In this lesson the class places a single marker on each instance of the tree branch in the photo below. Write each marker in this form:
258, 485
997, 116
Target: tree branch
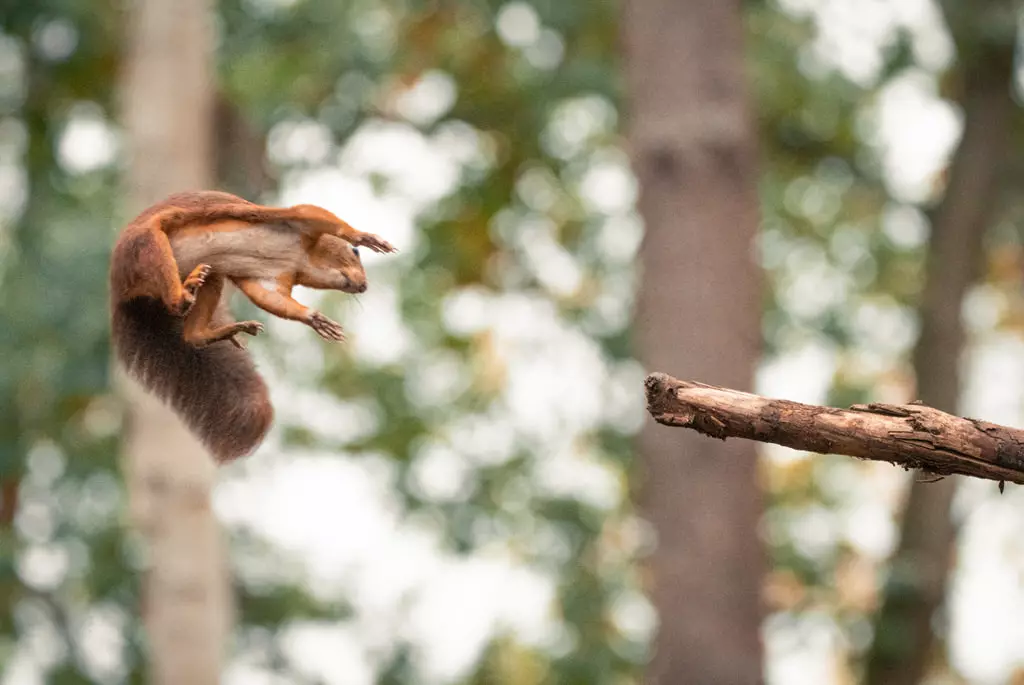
910, 435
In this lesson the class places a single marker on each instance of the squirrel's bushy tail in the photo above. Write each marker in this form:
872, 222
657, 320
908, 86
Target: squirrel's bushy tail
215, 389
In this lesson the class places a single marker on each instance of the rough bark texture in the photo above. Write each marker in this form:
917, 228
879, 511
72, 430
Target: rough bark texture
168, 114
698, 313
911, 435
919, 570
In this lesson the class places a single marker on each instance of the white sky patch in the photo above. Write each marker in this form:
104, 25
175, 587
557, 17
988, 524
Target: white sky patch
88, 142
986, 596
101, 636
905, 226
441, 474
554, 369
241, 672
42, 567
883, 325
983, 307
56, 39
576, 123
466, 604
619, 238
341, 518
295, 141
994, 378
800, 654
464, 311
608, 186
554, 267
329, 653
802, 374
811, 284
868, 22
916, 133
326, 416
625, 408
547, 51
518, 24
379, 336
539, 188
634, 615
870, 528
268, 7
486, 439
572, 471
41, 645
435, 379
418, 169
429, 98
853, 33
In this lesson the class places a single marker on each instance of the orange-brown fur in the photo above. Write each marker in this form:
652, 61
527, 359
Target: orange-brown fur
169, 281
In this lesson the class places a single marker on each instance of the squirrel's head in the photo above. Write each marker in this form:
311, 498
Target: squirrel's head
334, 264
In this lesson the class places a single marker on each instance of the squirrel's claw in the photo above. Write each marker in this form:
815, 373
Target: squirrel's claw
375, 243
191, 286
327, 329
250, 327
197, 278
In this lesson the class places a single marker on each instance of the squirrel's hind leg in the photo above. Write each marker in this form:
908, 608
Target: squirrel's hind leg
208, 322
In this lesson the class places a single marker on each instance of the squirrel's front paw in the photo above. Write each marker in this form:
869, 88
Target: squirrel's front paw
328, 330
375, 243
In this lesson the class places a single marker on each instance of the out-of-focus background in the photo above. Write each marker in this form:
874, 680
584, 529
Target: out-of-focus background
458, 493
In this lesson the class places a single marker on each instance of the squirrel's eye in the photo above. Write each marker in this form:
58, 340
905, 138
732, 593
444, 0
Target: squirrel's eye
355, 251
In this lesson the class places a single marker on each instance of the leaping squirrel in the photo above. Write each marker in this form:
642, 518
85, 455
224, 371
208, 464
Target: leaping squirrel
170, 322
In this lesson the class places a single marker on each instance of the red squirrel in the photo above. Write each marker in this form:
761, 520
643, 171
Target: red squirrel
170, 322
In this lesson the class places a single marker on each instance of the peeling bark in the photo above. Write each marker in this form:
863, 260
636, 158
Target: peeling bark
909, 435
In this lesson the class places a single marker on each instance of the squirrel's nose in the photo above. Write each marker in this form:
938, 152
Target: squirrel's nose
361, 287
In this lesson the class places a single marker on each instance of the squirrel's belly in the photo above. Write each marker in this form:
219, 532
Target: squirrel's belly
255, 251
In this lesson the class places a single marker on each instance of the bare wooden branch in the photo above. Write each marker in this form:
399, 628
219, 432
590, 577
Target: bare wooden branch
910, 435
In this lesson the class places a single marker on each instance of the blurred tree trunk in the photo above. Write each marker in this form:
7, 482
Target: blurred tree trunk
168, 110
904, 637
698, 316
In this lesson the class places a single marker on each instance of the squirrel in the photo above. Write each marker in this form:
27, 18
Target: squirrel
170, 323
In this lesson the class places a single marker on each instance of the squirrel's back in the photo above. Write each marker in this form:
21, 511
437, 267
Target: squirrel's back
215, 389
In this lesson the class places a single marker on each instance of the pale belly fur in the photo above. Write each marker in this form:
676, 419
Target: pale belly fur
261, 251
